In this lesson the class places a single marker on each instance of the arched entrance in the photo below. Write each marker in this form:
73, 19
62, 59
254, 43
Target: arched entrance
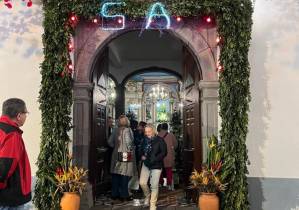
200, 83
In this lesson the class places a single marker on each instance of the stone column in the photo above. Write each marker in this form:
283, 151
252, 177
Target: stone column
171, 108
143, 111
209, 110
153, 112
119, 100
82, 110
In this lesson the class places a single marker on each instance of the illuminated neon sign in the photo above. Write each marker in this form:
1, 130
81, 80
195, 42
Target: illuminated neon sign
157, 10
121, 19
156, 17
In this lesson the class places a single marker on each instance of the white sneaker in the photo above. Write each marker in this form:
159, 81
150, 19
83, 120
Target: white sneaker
153, 208
146, 202
170, 187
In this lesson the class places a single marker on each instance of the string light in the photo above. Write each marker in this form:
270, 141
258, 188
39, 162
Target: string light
120, 21
70, 67
219, 68
218, 39
178, 19
95, 20
208, 19
70, 46
73, 18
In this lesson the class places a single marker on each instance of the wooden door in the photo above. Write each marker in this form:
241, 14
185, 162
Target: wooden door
98, 145
191, 116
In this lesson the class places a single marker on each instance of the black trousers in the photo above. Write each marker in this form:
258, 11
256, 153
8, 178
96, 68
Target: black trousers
120, 186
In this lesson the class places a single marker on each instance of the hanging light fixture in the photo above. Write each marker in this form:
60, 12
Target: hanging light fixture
158, 93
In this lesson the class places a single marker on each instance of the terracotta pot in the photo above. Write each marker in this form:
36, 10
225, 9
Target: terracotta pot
208, 201
70, 201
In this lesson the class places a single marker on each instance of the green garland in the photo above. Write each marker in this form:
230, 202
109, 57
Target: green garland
234, 26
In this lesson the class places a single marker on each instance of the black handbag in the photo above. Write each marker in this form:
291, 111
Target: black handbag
125, 156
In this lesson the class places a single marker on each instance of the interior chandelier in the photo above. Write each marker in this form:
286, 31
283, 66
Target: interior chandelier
158, 93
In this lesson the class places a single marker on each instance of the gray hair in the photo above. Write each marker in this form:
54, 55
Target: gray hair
127, 121
149, 125
13, 106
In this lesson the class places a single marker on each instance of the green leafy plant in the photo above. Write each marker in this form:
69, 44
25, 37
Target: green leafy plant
209, 180
162, 115
69, 178
215, 155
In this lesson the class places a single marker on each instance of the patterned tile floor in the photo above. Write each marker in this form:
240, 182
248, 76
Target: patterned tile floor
170, 200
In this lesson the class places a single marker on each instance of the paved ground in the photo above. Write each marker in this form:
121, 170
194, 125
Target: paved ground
168, 200
140, 208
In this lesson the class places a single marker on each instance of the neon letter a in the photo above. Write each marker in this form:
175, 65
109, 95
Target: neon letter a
157, 10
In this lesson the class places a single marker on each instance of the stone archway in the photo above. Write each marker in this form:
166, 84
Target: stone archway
90, 42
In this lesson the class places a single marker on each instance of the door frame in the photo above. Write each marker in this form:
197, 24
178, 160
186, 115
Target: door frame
86, 56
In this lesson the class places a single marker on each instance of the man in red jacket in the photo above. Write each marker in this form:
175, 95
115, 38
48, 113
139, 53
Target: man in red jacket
15, 173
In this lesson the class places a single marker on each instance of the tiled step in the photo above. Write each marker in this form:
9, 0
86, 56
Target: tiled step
168, 200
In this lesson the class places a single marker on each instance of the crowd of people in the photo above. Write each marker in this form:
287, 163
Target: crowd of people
139, 154
140, 150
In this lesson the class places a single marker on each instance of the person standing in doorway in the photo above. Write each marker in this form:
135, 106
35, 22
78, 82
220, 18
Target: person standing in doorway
123, 164
139, 139
159, 127
169, 160
152, 156
15, 172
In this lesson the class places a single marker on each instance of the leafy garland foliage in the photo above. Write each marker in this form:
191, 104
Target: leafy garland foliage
234, 22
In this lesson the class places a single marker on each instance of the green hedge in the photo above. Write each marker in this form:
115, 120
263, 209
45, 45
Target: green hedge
233, 18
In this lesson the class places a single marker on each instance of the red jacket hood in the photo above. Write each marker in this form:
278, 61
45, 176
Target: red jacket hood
7, 120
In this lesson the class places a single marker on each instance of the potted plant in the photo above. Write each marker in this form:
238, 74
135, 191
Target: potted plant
70, 182
208, 181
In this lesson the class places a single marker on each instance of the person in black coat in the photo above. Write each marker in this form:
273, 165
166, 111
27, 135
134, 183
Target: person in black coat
153, 153
139, 139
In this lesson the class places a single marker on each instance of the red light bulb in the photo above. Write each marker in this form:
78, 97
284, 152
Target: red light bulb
219, 68
178, 19
120, 21
70, 46
95, 20
218, 39
209, 19
70, 66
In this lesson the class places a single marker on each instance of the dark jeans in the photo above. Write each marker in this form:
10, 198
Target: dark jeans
120, 186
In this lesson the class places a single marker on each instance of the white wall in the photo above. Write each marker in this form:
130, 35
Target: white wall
20, 57
273, 140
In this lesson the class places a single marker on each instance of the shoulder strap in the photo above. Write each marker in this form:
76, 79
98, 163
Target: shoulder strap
7, 128
165, 135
